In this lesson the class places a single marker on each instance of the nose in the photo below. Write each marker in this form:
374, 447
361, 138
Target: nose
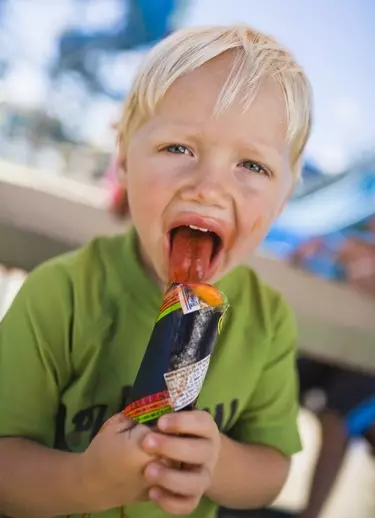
207, 186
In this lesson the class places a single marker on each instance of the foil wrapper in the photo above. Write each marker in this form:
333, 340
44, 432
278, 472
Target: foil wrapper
176, 361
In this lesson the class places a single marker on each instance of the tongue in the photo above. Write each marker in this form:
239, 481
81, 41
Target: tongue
191, 252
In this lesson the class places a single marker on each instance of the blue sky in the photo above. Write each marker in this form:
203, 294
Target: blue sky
334, 40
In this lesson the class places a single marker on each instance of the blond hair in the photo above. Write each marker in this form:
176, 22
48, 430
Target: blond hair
257, 57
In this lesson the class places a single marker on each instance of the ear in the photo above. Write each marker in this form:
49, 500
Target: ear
122, 171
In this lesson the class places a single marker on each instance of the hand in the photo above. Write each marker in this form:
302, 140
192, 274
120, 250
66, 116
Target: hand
113, 465
188, 438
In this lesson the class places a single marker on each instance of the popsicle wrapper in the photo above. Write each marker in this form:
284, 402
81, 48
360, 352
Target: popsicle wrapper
178, 354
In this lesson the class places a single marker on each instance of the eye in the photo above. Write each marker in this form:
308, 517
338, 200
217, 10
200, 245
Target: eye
256, 168
178, 149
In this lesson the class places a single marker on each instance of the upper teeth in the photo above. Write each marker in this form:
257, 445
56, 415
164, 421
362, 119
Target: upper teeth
198, 228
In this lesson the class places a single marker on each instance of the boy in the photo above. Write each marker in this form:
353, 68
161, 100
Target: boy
211, 136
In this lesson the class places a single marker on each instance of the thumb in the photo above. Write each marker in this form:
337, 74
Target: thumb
118, 423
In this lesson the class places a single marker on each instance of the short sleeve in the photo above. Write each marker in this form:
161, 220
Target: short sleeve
34, 355
272, 411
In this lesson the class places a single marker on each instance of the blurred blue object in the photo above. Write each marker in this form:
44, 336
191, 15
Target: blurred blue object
143, 24
336, 204
361, 418
330, 210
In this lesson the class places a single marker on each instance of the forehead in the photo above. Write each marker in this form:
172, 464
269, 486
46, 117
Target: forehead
192, 99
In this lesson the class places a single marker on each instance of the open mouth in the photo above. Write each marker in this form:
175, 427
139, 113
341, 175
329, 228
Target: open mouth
198, 235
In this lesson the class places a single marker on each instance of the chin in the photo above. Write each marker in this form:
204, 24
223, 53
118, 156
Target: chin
159, 274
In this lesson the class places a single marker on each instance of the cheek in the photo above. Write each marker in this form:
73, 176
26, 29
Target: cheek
252, 214
146, 202
150, 189
256, 214
152, 173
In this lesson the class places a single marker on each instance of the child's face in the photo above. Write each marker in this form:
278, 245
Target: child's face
230, 174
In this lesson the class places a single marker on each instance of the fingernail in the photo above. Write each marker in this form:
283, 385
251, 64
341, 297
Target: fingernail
150, 442
153, 471
164, 423
154, 493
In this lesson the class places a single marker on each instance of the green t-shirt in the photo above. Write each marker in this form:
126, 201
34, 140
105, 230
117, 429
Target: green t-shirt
72, 342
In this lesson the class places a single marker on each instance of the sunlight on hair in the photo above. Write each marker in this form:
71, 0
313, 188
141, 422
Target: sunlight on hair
257, 57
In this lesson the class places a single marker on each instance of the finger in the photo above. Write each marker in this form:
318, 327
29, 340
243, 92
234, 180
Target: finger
173, 504
118, 423
195, 423
121, 424
182, 482
190, 450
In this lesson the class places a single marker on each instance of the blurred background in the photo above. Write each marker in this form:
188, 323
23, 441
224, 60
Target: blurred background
65, 68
